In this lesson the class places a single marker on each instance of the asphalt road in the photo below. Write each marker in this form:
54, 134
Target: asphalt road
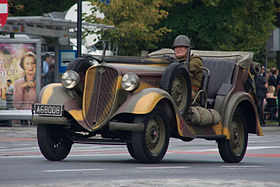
195, 163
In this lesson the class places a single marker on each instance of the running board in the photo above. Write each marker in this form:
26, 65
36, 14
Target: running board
211, 137
99, 141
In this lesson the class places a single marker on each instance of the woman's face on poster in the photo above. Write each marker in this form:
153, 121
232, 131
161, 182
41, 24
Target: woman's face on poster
29, 65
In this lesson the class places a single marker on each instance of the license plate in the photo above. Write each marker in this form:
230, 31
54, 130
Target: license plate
48, 110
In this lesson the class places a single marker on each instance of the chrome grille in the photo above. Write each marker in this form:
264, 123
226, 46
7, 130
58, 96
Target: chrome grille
100, 94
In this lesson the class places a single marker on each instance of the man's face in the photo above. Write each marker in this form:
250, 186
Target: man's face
180, 51
49, 59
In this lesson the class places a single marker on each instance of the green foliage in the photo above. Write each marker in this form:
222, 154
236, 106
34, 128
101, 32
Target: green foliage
151, 24
221, 24
37, 7
135, 21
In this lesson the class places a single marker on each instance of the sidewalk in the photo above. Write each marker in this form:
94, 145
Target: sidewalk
18, 131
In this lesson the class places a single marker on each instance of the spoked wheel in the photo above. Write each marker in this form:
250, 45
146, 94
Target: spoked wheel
53, 143
176, 81
151, 144
178, 90
234, 149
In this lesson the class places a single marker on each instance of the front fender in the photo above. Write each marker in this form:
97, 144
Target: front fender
56, 94
144, 102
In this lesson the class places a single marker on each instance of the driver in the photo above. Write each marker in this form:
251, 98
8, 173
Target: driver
182, 49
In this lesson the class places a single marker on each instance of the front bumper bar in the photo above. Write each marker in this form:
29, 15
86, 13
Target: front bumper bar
49, 120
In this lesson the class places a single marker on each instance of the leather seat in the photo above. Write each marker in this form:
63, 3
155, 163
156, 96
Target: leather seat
221, 72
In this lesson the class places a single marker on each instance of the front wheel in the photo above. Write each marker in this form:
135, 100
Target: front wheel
234, 149
151, 144
53, 143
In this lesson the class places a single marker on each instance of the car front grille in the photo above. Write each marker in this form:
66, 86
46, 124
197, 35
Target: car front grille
99, 95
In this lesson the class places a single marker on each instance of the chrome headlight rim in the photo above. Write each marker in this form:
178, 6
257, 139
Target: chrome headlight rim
130, 82
70, 79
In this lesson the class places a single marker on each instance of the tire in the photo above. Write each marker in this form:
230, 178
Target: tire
150, 145
80, 65
234, 149
176, 81
130, 150
52, 142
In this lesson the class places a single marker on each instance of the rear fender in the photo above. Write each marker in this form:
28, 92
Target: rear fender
246, 102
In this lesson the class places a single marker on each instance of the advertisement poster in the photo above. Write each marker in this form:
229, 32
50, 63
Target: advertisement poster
17, 75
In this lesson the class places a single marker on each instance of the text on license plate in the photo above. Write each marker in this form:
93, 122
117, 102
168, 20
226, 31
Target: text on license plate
50, 110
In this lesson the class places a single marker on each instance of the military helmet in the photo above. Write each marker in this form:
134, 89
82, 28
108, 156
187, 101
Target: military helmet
181, 40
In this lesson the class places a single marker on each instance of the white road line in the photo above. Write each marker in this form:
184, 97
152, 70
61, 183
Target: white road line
170, 167
241, 166
71, 170
262, 147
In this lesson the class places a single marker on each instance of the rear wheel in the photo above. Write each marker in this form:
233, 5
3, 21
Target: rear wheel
53, 143
130, 150
234, 149
151, 144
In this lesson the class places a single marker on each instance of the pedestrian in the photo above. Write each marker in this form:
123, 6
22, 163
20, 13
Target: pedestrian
272, 80
9, 98
271, 103
46, 63
9, 95
261, 90
277, 92
50, 74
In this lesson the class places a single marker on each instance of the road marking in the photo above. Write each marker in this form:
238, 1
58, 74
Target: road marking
160, 167
262, 147
71, 170
241, 166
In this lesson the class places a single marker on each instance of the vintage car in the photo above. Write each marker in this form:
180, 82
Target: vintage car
142, 102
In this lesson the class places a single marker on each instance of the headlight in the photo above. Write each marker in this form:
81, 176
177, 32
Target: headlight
130, 81
70, 79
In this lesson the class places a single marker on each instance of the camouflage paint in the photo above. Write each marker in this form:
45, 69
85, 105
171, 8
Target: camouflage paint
145, 101
56, 94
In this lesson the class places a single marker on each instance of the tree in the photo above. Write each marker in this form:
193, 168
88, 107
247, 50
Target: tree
136, 23
277, 23
221, 24
37, 7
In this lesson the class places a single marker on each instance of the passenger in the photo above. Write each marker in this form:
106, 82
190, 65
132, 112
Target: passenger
182, 51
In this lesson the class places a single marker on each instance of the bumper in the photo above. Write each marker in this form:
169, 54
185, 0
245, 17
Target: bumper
49, 120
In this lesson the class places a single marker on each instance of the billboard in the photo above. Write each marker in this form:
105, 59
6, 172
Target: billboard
20, 62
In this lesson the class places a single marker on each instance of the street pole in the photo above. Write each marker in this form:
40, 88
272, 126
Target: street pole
79, 28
